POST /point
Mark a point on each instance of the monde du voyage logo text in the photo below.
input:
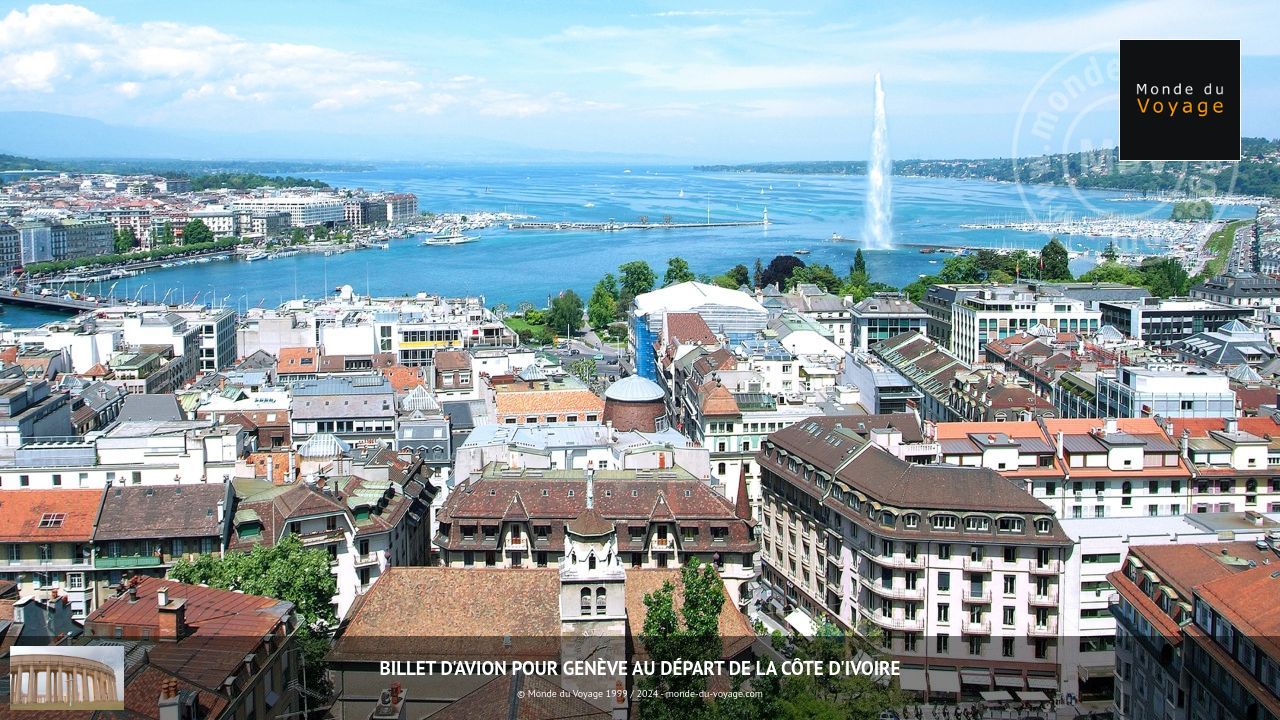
(1179, 100)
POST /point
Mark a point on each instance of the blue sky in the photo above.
(689, 80)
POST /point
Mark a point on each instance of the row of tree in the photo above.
(159, 252)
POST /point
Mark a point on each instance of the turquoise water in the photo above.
(513, 265)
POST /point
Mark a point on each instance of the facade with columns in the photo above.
(59, 678)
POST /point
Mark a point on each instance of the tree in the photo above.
(321, 232)
(859, 262)
(1113, 272)
(677, 272)
(1165, 277)
(286, 571)
(637, 278)
(1054, 261)
(757, 274)
(501, 310)
(1110, 254)
(821, 275)
(125, 241)
(196, 232)
(602, 308)
(166, 235)
(297, 236)
(834, 695)
(565, 313)
(584, 368)
(523, 308)
(739, 275)
(779, 271)
(697, 639)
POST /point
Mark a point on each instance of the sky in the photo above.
(702, 81)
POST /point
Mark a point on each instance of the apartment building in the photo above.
(207, 653)
(401, 207)
(815, 304)
(996, 312)
(1255, 291)
(930, 368)
(1195, 629)
(352, 408)
(882, 316)
(366, 523)
(958, 568)
(10, 248)
(30, 410)
(1235, 463)
(517, 517)
(48, 540)
(304, 210)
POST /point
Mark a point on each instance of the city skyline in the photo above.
(664, 82)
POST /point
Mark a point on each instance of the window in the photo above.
(1010, 584)
(51, 520)
(944, 551)
(1011, 525)
(1010, 554)
(1008, 617)
(601, 602)
(24, 481)
(585, 602)
(944, 581)
(942, 644)
(490, 558)
(57, 479)
(1006, 647)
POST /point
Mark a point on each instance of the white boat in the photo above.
(802, 252)
(255, 255)
(452, 238)
(836, 237)
(589, 205)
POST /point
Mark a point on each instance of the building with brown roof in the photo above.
(367, 523)
(47, 537)
(452, 373)
(1234, 462)
(541, 399)
(143, 530)
(210, 654)
(1196, 629)
(958, 567)
(518, 517)
(297, 363)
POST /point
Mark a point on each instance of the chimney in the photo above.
(162, 595)
(1232, 424)
(133, 595)
(1185, 443)
(591, 486)
(222, 510)
(1110, 426)
(1058, 449)
(171, 705)
(173, 620)
(391, 704)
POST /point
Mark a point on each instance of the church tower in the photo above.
(593, 605)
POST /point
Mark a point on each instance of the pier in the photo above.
(612, 226)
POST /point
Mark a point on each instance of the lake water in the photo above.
(515, 265)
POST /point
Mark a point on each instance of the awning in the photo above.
(1033, 696)
(975, 677)
(1009, 681)
(944, 681)
(996, 696)
(1095, 671)
(912, 678)
(1044, 683)
(801, 623)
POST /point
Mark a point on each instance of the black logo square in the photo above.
(1179, 99)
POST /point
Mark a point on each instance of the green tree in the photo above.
(859, 262)
(839, 695)
(1111, 254)
(821, 275)
(1165, 277)
(602, 308)
(565, 313)
(584, 368)
(166, 235)
(677, 272)
(286, 571)
(1054, 261)
(757, 274)
(637, 278)
(321, 232)
(739, 275)
(196, 232)
(779, 271)
(125, 241)
(297, 236)
(501, 310)
(697, 638)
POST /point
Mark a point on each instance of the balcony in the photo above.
(896, 593)
(324, 537)
(50, 564)
(128, 561)
(897, 623)
(976, 596)
(1048, 628)
(517, 543)
(893, 561)
(1043, 600)
(972, 565)
(982, 627)
(663, 544)
(1052, 567)
(367, 559)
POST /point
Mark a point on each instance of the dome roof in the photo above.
(634, 389)
(323, 445)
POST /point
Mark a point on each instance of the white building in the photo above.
(997, 312)
(304, 210)
(1164, 390)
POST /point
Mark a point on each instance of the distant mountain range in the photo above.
(1258, 172)
(52, 136)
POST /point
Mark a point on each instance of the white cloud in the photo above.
(29, 71)
(129, 89)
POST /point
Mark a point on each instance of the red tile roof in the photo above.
(402, 378)
(452, 360)
(297, 360)
(60, 515)
(1200, 427)
(684, 328)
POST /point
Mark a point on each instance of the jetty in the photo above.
(614, 226)
(53, 302)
